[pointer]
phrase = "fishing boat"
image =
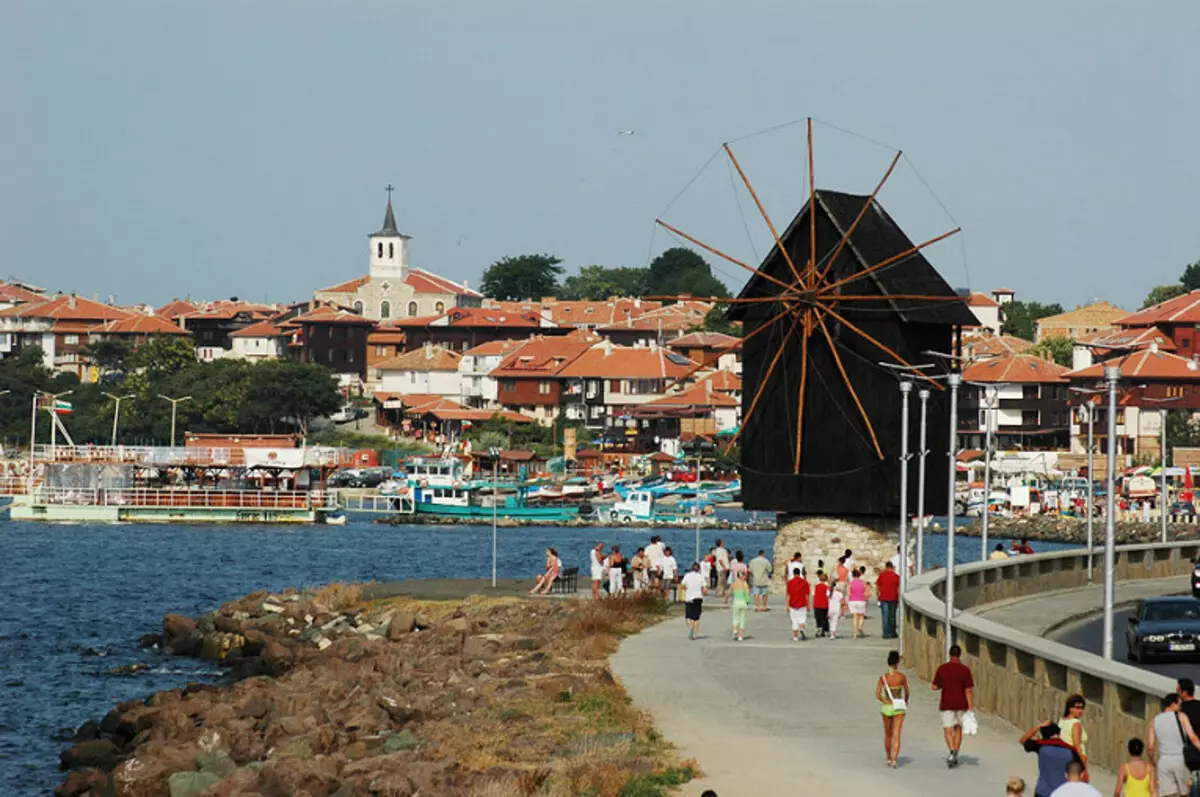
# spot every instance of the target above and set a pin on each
(439, 488)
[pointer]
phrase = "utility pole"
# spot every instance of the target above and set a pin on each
(495, 452)
(174, 405)
(954, 380)
(117, 414)
(990, 393)
(1112, 374)
(923, 395)
(905, 389)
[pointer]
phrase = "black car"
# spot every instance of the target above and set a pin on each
(1164, 627)
(1196, 579)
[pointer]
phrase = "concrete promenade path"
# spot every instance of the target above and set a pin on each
(769, 716)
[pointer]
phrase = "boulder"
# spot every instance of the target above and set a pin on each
(401, 624)
(177, 625)
(87, 731)
(98, 753)
(191, 784)
(277, 657)
(227, 625)
(218, 762)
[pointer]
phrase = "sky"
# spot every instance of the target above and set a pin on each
(156, 149)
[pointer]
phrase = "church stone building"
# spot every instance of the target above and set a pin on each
(391, 288)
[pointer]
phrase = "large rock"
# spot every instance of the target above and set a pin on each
(401, 624)
(98, 753)
(191, 784)
(82, 784)
(873, 541)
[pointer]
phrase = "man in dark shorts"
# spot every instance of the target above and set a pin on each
(694, 590)
(954, 681)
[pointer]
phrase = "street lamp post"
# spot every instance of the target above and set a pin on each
(1162, 493)
(923, 395)
(905, 389)
(1112, 374)
(174, 405)
(1090, 502)
(495, 452)
(117, 414)
(954, 380)
(54, 397)
(990, 393)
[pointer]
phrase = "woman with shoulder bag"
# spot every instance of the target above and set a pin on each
(892, 693)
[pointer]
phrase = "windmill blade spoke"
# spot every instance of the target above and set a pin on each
(812, 218)
(884, 297)
(850, 231)
(762, 383)
(721, 254)
(803, 385)
(849, 386)
(718, 299)
(890, 261)
(728, 346)
(763, 211)
(880, 346)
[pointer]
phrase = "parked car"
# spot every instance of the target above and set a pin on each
(347, 414)
(1163, 627)
(1184, 509)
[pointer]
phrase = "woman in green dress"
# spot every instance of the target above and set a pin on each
(740, 604)
(892, 693)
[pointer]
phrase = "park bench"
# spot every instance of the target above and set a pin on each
(567, 581)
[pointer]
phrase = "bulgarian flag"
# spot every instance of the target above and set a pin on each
(62, 407)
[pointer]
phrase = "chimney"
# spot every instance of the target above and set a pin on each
(607, 347)
(428, 350)
(71, 301)
(637, 301)
(708, 386)
(467, 287)
(1154, 346)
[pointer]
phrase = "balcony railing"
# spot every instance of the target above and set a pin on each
(186, 499)
(168, 457)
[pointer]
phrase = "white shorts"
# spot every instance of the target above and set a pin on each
(857, 607)
(952, 718)
(799, 618)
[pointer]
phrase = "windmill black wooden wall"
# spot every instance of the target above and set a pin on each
(840, 471)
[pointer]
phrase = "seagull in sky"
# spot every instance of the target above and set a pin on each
(626, 132)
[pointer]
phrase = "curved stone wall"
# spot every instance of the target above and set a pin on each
(1026, 679)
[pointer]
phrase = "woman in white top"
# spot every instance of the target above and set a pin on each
(837, 608)
(597, 568)
(694, 587)
(616, 574)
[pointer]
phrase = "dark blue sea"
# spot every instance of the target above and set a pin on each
(77, 597)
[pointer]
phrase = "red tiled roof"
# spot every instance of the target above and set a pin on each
(426, 358)
(1015, 369)
(977, 299)
(176, 308)
(10, 292)
(984, 344)
(224, 311)
(724, 380)
(66, 308)
(627, 362)
(262, 329)
(1134, 338)
(492, 348)
(704, 340)
(139, 325)
(447, 409)
(474, 317)
(1145, 364)
(673, 317)
(696, 396)
(332, 315)
(385, 333)
(540, 357)
(349, 286)
(1183, 309)
(582, 312)
(423, 281)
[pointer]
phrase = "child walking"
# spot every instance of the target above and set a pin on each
(837, 608)
(1134, 776)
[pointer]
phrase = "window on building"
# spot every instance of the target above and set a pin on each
(544, 388)
(358, 307)
(71, 340)
(207, 335)
(614, 385)
(381, 351)
(509, 385)
(439, 308)
(412, 309)
(385, 309)
(349, 355)
(391, 251)
(381, 248)
(412, 378)
(329, 355)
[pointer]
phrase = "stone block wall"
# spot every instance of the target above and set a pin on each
(873, 541)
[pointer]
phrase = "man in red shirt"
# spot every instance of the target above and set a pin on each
(797, 598)
(954, 681)
(887, 587)
(821, 603)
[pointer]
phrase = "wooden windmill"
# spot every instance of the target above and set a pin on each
(842, 290)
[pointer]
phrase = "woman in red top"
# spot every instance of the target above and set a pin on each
(821, 603)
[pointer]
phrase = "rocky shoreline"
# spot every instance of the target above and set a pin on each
(333, 695)
(708, 523)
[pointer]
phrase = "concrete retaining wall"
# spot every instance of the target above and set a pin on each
(1026, 679)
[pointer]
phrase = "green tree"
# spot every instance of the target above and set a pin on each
(1190, 279)
(596, 283)
(164, 356)
(717, 321)
(1020, 318)
(110, 356)
(522, 277)
(679, 270)
(1162, 293)
(1058, 348)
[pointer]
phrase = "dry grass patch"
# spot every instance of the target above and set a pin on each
(339, 597)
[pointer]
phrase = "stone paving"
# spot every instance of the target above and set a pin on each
(769, 716)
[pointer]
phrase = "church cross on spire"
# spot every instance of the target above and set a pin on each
(390, 188)
(389, 217)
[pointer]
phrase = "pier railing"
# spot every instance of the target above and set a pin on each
(197, 499)
(165, 456)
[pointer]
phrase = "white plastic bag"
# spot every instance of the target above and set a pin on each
(970, 725)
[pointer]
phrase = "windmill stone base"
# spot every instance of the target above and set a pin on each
(873, 541)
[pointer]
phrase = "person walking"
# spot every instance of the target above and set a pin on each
(1053, 756)
(892, 693)
(1135, 778)
(760, 578)
(694, 590)
(1071, 729)
(722, 558)
(1169, 730)
(1076, 784)
(708, 569)
(597, 568)
(837, 608)
(670, 573)
(654, 557)
(953, 679)
(887, 587)
(616, 571)
(1189, 707)
(797, 601)
(841, 575)
(739, 593)
(857, 602)
(820, 604)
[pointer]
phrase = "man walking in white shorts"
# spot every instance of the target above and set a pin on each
(954, 681)
(797, 599)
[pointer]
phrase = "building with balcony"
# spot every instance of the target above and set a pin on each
(430, 371)
(1023, 398)
(531, 381)
(607, 381)
(479, 388)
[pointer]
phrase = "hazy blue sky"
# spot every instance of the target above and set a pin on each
(157, 149)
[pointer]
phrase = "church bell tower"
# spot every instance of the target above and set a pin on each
(389, 248)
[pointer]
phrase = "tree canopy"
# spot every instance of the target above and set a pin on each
(1020, 318)
(522, 277)
(597, 283)
(1162, 293)
(1190, 279)
(1058, 348)
(679, 270)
